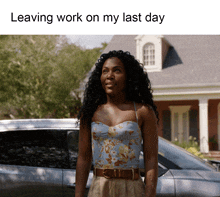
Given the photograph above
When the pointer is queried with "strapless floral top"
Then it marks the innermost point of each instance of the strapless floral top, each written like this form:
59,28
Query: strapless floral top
116,146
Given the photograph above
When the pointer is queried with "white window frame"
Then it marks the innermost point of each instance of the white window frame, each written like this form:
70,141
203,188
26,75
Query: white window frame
141,41
178,125
149,54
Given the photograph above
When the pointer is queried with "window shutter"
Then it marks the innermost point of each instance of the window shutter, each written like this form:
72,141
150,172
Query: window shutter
166,124
193,123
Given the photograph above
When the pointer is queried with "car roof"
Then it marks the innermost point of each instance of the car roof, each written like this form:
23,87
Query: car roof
35,124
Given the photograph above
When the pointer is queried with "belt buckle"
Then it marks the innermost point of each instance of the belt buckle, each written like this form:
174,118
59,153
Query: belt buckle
105,174
132,173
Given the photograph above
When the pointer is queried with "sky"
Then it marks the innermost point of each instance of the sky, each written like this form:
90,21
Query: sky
89,41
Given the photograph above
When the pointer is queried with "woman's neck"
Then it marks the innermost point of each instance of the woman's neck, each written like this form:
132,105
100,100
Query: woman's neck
116,99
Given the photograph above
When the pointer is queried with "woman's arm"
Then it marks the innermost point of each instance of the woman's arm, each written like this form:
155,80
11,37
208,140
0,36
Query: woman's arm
150,148
84,160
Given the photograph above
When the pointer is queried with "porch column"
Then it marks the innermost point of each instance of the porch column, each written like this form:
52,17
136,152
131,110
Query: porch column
203,125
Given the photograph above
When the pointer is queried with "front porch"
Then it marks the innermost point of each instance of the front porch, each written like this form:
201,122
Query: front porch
215,155
199,118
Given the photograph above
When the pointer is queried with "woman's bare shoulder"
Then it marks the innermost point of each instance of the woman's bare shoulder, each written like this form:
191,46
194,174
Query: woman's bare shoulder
144,108
99,112
145,112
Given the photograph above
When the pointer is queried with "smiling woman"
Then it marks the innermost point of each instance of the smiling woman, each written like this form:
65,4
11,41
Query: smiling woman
113,77
118,113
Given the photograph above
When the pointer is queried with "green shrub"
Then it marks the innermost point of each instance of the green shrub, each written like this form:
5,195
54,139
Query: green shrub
195,152
192,146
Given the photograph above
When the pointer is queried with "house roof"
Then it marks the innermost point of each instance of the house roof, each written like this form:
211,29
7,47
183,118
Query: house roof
193,60
191,66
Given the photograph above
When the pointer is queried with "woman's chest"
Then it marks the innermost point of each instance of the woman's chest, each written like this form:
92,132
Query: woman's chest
126,130
111,116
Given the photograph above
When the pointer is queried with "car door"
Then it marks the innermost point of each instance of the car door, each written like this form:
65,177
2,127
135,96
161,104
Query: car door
165,183
70,173
31,163
30,181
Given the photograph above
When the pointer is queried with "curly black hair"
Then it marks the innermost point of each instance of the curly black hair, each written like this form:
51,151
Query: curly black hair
138,86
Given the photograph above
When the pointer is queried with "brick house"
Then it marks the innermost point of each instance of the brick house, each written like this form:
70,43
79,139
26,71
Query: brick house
185,74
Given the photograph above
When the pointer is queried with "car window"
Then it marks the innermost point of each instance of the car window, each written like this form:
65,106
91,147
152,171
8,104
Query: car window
180,157
166,162
72,140
39,148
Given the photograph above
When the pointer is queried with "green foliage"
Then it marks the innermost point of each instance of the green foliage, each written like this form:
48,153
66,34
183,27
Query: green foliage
192,146
191,143
213,140
38,75
195,151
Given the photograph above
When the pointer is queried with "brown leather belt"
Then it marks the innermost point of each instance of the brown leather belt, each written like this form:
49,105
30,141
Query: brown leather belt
132,174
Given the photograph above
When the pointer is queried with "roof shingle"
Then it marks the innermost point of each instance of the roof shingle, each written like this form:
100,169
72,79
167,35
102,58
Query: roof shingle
192,59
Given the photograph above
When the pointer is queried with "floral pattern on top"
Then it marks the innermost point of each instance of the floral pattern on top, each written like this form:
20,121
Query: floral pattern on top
116,146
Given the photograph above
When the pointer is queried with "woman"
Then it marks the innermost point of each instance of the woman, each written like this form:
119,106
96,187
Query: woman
118,113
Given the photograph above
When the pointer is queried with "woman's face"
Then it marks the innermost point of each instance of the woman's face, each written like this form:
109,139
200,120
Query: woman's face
113,78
